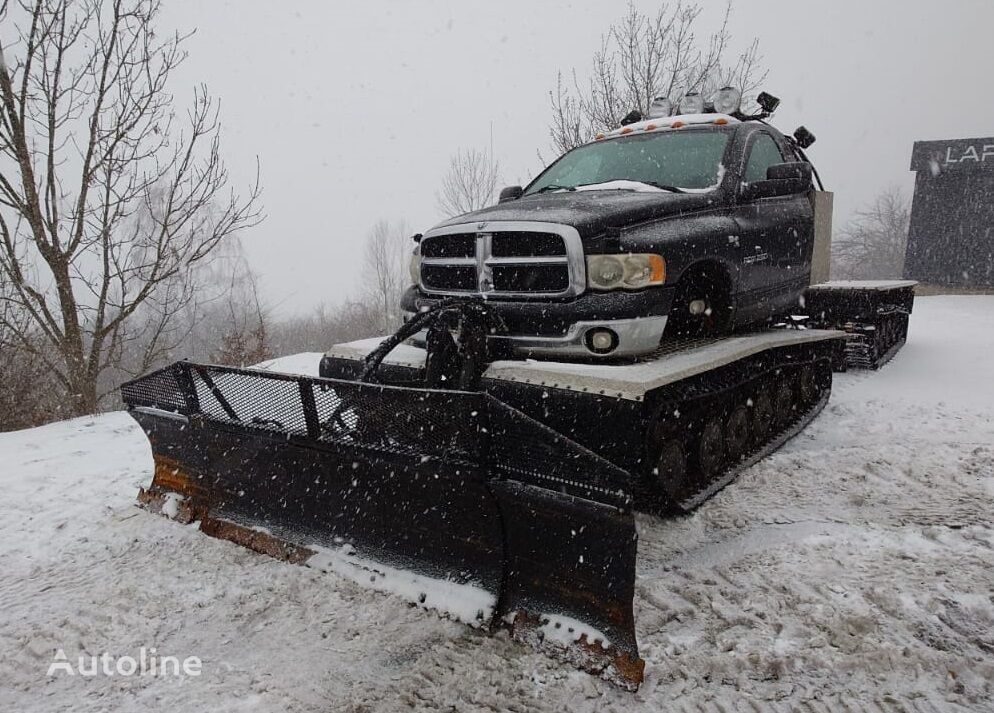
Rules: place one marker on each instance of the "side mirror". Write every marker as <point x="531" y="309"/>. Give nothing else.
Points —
<point x="782" y="179"/>
<point x="511" y="193"/>
<point x="787" y="171"/>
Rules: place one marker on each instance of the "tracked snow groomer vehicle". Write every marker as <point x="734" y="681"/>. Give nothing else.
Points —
<point x="438" y="465"/>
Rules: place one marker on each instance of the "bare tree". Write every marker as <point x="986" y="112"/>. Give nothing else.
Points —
<point x="214" y="311"/>
<point x="469" y="184"/>
<point x="324" y="326"/>
<point x="107" y="195"/>
<point x="245" y="338"/>
<point x="873" y="243"/>
<point x="388" y="250"/>
<point x="27" y="396"/>
<point x="642" y="57"/>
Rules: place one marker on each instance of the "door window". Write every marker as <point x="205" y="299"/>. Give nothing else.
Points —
<point x="764" y="153"/>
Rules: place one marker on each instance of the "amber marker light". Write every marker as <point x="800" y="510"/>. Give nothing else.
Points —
<point x="657" y="269"/>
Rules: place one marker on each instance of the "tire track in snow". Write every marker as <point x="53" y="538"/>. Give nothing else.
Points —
<point x="731" y="599"/>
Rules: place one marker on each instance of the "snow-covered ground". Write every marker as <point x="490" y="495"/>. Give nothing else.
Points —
<point x="851" y="570"/>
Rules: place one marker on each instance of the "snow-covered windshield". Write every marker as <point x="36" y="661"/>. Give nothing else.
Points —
<point x="679" y="159"/>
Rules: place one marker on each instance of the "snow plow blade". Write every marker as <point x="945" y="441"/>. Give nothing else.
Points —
<point x="451" y="499"/>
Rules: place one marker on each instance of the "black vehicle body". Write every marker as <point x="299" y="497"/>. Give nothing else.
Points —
<point x="757" y="249"/>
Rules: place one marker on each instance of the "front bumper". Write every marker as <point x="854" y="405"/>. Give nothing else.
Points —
<point x="634" y="337"/>
<point x="560" y="329"/>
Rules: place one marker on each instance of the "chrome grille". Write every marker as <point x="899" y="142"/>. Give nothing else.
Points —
<point x="455" y="245"/>
<point x="512" y="259"/>
<point x="506" y="244"/>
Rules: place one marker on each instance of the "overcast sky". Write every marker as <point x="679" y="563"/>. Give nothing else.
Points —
<point x="353" y="109"/>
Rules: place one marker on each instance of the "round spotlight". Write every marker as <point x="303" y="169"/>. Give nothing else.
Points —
<point x="601" y="340"/>
<point x="660" y="108"/>
<point x="727" y="100"/>
<point x="692" y="103"/>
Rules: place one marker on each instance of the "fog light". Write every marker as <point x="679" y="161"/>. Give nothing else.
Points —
<point x="601" y="341"/>
<point x="692" y="103"/>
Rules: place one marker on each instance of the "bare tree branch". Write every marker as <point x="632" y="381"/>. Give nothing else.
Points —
<point x="108" y="197"/>
<point x="642" y="57"/>
<point x="388" y="249"/>
<point x="872" y="245"/>
<point x="469" y="184"/>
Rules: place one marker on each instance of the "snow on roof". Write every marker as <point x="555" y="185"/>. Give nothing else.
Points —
<point x="668" y="123"/>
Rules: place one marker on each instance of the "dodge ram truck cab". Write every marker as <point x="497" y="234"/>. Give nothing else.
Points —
<point x="685" y="225"/>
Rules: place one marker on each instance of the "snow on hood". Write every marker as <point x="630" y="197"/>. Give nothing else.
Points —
<point x="620" y="185"/>
<point x="590" y="211"/>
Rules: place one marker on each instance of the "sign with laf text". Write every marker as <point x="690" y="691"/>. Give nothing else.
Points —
<point x="951" y="233"/>
<point x="953" y="155"/>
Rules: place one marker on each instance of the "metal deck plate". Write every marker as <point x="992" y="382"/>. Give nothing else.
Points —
<point x="630" y="381"/>
<point x="881" y="285"/>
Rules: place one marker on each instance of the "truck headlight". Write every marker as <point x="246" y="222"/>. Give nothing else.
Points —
<point x="415" y="267"/>
<point x="631" y="271"/>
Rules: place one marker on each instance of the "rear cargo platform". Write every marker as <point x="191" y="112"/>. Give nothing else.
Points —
<point x="874" y="313"/>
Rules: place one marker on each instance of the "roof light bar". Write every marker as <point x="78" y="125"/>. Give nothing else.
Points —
<point x="660" y="108"/>
<point x="727" y="100"/>
<point x="692" y="103"/>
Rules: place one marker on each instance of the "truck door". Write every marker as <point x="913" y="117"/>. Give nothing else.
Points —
<point x="775" y="234"/>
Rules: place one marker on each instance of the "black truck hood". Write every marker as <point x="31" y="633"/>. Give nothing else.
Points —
<point x="591" y="212"/>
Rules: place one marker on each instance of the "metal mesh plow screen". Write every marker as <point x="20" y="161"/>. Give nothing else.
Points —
<point x="421" y="423"/>
<point x="401" y="420"/>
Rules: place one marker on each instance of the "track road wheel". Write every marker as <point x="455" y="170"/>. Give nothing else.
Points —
<point x="710" y="451"/>
<point x="737" y="433"/>
<point x="671" y="475"/>
<point x="762" y="417"/>
<point x="783" y="403"/>
<point x="808" y="384"/>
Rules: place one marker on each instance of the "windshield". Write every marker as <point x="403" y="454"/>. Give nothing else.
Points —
<point x="678" y="159"/>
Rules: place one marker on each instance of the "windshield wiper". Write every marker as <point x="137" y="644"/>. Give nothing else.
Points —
<point x="555" y="187"/>
<point x="662" y="186"/>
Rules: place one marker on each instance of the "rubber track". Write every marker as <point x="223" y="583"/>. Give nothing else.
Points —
<point x="889" y="354"/>
<point x="755" y="456"/>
